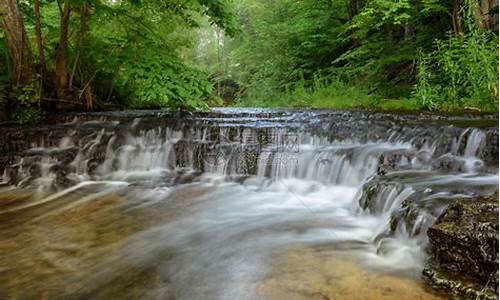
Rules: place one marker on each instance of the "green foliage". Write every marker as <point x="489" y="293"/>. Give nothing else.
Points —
<point x="461" y="72"/>
<point x="28" y="115"/>
<point x="137" y="53"/>
<point x="331" y="53"/>
<point x="390" y="48"/>
<point x="165" y="81"/>
<point x="220" y="14"/>
<point x="330" y="93"/>
<point x="385" y="36"/>
<point x="25" y="95"/>
<point x="285" y="42"/>
<point x="28" y="110"/>
<point x="425" y="91"/>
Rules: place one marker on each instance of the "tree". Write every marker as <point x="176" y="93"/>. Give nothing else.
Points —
<point x="20" y="59"/>
<point x="39" y="37"/>
<point x="84" y="50"/>
<point x="377" y="45"/>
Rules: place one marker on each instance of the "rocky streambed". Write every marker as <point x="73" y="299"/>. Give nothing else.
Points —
<point x="250" y="204"/>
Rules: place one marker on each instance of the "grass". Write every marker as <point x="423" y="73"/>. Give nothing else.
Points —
<point x="336" y="95"/>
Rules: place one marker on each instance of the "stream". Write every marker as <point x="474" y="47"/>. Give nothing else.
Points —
<point x="234" y="203"/>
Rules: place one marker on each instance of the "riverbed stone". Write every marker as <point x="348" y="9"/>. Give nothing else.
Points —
<point x="464" y="249"/>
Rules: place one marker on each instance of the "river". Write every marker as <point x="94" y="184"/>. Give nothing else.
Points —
<point x="234" y="203"/>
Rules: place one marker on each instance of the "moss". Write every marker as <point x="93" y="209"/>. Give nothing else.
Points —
<point x="464" y="253"/>
<point x="458" y="285"/>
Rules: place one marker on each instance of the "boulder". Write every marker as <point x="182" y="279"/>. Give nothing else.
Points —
<point x="464" y="249"/>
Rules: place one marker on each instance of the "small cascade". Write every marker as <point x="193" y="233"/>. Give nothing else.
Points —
<point x="346" y="162"/>
<point x="388" y="184"/>
<point x="475" y="140"/>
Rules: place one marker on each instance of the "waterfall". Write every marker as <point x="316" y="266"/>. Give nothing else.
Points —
<point x="394" y="181"/>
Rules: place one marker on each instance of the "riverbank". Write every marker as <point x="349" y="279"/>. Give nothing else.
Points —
<point x="346" y="102"/>
<point x="338" y="101"/>
<point x="342" y="96"/>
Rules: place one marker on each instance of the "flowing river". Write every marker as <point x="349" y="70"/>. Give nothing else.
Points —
<point x="234" y="203"/>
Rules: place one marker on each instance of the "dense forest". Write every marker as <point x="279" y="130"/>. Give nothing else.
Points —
<point x="189" y="54"/>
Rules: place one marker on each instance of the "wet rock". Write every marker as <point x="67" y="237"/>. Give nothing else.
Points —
<point x="418" y="212"/>
<point x="464" y="249"/>
<point x="203" y="140"/>
<point x="448" y="163"/>
<point x="378" y="193"/>
<point x="451" y="163"/>
<point x="93" y="165"/>
<point x="489" y="153"/>
<point x="61" y="171"/>
<point x="183" y="176"/>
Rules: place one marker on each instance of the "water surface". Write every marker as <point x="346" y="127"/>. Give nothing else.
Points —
<point x="219" y="209"/>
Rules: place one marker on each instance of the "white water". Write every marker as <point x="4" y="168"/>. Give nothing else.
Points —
<point x="306" y="193"/>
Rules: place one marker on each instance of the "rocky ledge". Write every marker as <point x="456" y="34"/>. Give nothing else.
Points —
<point x="464" y="249"/>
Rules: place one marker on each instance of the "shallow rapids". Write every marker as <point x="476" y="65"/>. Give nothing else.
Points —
<point x="233" y="205"/>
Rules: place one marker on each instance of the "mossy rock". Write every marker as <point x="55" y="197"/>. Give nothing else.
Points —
<point x="464" y="249"/>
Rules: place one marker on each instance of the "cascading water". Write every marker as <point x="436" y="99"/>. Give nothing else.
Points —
<point x="213" y="206"/>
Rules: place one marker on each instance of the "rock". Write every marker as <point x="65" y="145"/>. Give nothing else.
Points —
<point x="464" y="249"/>
<point x="489" y="152"/>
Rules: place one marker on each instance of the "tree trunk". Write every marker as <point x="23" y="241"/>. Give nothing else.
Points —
<point x="39" y="37"/>
<point x="485" y="14"/>
<point x="354" y="7"/>
<point x="455" y="17"/>
<point x="86" y="95"/>
<point x="84" y="19"/>
<point x="62" y="76"/>
<point x="17" y="41"/>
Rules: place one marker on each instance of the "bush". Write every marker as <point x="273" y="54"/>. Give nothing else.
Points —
<point x="324" y="93"/>
<point x="28" y="115"/>
<point x="462" y="72"/>
<point x="156" y="81"/>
